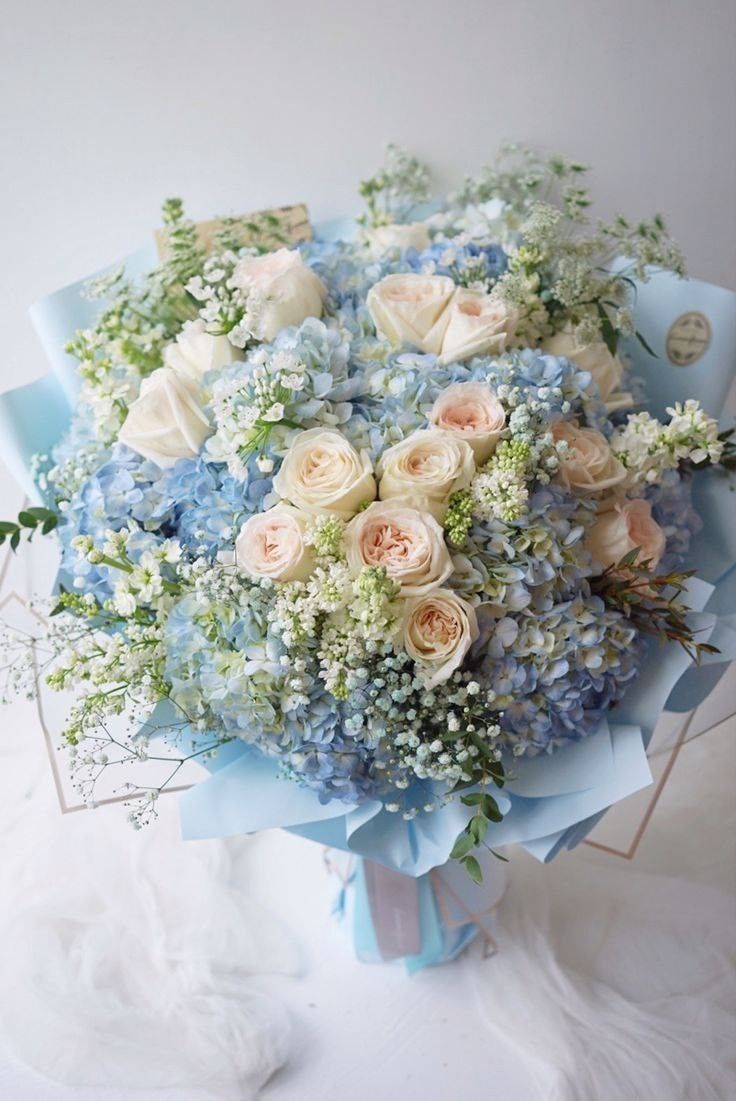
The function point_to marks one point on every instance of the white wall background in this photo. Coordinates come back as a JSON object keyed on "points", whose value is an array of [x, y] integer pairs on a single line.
{"points": [[109, 107]]}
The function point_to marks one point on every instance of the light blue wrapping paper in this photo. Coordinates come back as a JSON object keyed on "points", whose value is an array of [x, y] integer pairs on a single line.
{"points": [[549, 803]]}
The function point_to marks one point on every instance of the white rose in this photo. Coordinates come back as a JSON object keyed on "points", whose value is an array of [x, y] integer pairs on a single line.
{"points": [[286, 289], [439, 629], [589, 465], [410, 545], [383, 238], [477, 325], [606, 369], [195, 352], [272, 544], [322, 472], [472, 411], [411, 309], [623, 527], [166, 421], [425, 469]]}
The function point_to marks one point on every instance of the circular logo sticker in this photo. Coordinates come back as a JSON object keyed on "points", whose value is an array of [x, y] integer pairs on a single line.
{"points": [[688, 339]]}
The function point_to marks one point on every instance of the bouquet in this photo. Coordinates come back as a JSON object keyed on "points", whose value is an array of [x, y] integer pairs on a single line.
{"points": [[377, 526]]}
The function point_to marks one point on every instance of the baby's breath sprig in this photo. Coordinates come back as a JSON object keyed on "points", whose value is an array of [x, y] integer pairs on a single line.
{"points": [[651, 601]]}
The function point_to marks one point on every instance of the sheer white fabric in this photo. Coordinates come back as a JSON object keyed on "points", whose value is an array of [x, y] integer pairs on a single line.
{"points": [[129, 959]]}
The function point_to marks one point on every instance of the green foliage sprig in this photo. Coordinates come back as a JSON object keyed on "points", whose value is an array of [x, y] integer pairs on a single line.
{"points": [[399, 185], [30, 520], [474, 834], [651, 601]]}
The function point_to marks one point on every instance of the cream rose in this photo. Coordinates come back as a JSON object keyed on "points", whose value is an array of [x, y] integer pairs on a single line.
{"points": [[472, 411], [412, 235], [195, 352], [410, 545], [477, 324], [411, 309], [166, 421], [272, 544], [322, 472], [288, 291], [425, 469], [606, 369], [624, 526], [439, 629], [590, 465]]}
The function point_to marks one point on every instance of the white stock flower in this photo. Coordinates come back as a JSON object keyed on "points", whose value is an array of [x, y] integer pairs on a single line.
{"points": [[322, 472], [166, 421], [272, 544], [438, 631], [408, 544], [195, 352], [425, 469], [472, 411], [287, 290]]}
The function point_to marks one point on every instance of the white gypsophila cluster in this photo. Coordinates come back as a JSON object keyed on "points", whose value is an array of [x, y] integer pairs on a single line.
{"points": [[226, 306], [361, 629], [299, 605], [647, 448], [248, 408]]}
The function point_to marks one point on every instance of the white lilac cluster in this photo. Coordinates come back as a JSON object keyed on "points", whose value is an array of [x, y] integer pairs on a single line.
{"points": [[648, 448], [351, 502]]}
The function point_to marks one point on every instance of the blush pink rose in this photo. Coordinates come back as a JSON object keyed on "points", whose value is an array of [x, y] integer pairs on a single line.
{"points": [[471, 410], [272, 544], [426, 468], [288, 290], [411, 309], [624, 526], [589, 465], [439, 629], [410, 545], [477, 324]]}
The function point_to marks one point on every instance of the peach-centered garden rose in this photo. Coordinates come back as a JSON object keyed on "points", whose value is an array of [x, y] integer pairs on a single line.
{"points": [[411, 309], [271, 544], [322, 472], [622, 527], [410, 545], [425, 469], [590, 465], [439, 629], [472, 411], [477, 325]]}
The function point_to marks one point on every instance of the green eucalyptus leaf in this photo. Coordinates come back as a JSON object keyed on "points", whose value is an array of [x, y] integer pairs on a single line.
{"points": [[473, 869], [463, 844]]}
